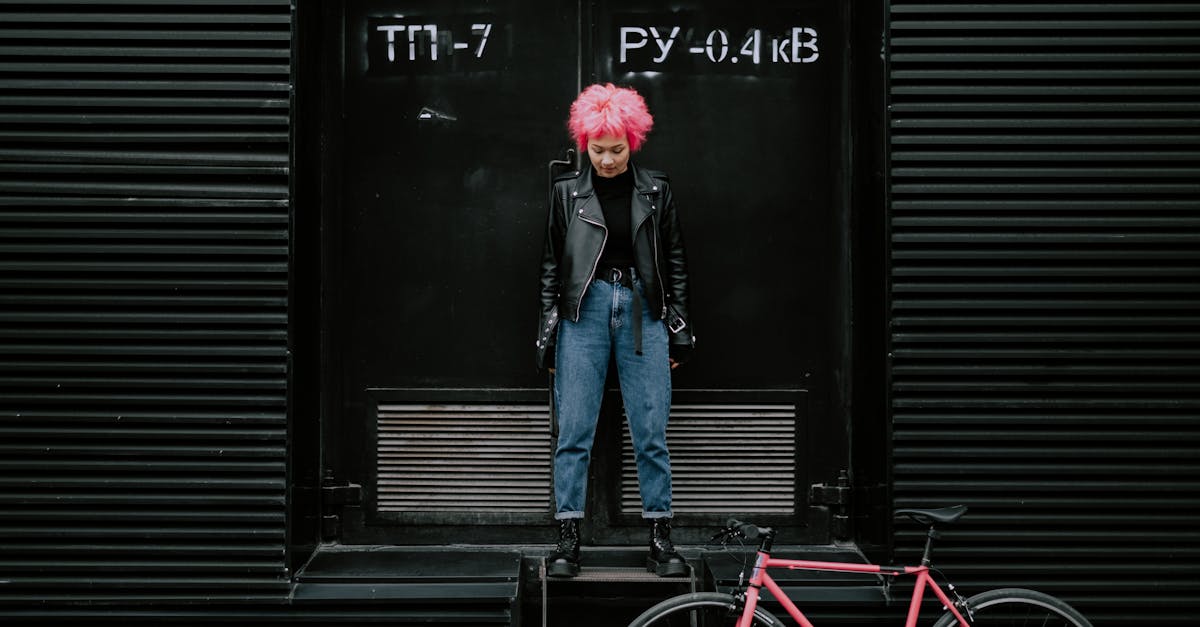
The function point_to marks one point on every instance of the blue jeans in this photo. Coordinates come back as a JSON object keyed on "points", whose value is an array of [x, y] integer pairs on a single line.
{"points": [[605, 328]]}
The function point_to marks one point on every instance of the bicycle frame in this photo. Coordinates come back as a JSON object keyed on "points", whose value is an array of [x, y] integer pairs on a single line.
{"points": [[760, 579]]}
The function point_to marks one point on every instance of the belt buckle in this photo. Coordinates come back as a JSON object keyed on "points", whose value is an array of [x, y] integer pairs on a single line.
{"points": [[614, 275]]}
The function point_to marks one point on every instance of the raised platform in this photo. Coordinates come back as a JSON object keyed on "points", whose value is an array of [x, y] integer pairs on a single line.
{"points": [[613, 582], [504, 585]]}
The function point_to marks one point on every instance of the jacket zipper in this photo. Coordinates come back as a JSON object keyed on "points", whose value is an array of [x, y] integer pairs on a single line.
{"points": [[662, 290], [594, 264]]}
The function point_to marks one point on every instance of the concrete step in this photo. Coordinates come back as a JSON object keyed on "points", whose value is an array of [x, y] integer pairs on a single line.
{"points": [[447, 585]]}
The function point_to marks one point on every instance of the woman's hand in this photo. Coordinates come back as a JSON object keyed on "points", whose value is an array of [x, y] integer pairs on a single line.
{"points": [[679, 354]]}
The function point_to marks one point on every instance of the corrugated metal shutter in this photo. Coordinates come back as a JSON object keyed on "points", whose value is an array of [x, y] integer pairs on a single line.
{"points": [[143, 302], [1045, 295]]}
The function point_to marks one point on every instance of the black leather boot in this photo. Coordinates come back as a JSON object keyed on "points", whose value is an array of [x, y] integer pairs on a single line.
{"points": [[663, 560], [564, 561]]}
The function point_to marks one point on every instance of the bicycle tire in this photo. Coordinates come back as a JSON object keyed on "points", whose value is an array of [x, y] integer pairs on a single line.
{"points": [[1017, 607], [701, 609]]}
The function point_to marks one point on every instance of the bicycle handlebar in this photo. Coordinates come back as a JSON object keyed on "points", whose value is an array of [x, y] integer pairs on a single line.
{"points": [[747, 530]]}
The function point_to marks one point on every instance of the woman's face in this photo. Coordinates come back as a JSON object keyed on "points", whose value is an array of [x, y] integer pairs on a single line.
{"points": [[609, 155]]}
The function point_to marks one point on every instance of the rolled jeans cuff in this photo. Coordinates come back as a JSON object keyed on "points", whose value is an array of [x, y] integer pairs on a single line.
{"points": [[568, 515], [657, 515]]}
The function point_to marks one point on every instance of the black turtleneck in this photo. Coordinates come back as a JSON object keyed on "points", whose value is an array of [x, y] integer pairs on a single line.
{"points": [[616, 200]]}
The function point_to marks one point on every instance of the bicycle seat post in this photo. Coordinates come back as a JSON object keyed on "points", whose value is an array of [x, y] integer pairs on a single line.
{"points": [[929, 538], [932, 517]]}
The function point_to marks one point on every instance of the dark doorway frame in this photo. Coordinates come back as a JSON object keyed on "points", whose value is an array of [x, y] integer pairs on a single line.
{"points": [[857, 400]]}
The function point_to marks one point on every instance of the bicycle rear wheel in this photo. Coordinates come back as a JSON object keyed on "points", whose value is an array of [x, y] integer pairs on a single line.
{"points": [[701, 609], [1016, 607]]}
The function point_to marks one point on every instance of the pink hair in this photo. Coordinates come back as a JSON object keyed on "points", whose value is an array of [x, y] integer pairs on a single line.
{"points": [[609, 110]]}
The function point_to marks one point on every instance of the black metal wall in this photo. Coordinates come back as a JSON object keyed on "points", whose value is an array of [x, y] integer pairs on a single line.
{"points": [[1045, 295], [1044, 300], [143, 304]]}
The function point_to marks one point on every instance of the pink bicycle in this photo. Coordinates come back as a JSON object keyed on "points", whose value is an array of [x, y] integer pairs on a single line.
{"points": [[1007, 607]]}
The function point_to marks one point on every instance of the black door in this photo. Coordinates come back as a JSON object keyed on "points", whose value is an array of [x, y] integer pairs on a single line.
{"points": [[450, 122]]}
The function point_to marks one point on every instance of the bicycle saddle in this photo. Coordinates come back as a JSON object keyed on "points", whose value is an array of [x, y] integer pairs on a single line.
{"points": [[945, 515]]}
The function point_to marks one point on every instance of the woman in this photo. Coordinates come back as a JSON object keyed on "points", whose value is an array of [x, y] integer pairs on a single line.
{"points": [[614, 284]]}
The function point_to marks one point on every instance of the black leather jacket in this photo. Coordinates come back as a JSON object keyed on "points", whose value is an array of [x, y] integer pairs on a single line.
{"points": [[575, 236]]}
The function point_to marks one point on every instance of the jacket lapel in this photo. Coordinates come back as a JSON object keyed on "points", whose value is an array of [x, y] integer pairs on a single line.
{"points": [[643, 205], [586, 206], [645, 198]]}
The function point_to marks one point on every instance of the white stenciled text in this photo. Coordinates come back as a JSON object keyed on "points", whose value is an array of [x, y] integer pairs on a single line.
{"points": [[799, 44], [408, 42]]}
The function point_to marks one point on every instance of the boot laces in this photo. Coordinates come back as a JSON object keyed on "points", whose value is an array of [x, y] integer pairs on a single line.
{"points": [[567, 536], [661, 536]]}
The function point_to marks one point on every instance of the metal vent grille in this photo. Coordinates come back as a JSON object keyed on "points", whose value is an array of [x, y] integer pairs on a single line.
{"points": [[463, 458], [143, 302], [714, 448], [1045, 295]]}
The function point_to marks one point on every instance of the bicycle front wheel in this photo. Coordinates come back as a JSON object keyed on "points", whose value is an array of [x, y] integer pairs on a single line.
{"points": [[701, 609], [1015, 607]]}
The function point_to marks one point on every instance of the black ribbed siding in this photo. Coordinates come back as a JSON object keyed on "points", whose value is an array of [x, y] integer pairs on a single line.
{"points": [[144, 224], [1045, 296]]}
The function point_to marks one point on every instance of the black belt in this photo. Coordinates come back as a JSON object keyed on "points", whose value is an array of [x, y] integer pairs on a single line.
{"points": [[624, 276]]}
